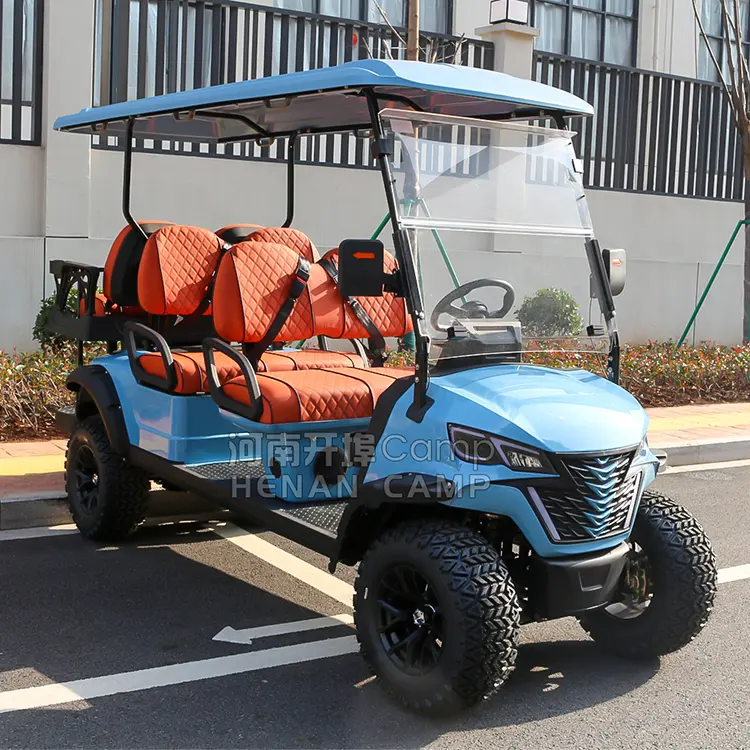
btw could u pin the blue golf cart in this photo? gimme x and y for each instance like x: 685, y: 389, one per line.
x: 489, y: 483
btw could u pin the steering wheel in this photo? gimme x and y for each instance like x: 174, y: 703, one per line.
x: 471, y: 310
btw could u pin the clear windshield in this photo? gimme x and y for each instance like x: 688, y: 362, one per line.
x: 498, y: 223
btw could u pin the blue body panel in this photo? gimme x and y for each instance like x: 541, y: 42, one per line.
x: 555, y: 410
x: 434, y: 87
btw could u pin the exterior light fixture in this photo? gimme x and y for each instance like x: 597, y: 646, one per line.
x: 509, y: 11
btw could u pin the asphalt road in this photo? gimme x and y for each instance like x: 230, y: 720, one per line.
x: 71, y: 611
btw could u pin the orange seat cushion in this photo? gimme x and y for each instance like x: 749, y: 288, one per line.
x: 317, y: 395
x: 307, y: 359
x: 191, y: 367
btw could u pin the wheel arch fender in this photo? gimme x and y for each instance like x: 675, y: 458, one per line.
x: 387, y: 501
x: 96, y: 394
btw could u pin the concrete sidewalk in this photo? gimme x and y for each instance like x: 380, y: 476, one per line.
x: 31, y: 474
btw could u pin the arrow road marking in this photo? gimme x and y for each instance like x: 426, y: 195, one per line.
x: 245, y: 637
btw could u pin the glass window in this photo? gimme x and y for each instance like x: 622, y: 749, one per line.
x: 713, y: 23
x: 7, y: 20
x: 591, y: 29
x: 435, y: 14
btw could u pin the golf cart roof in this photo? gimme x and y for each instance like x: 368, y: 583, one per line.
x: 326, y: 100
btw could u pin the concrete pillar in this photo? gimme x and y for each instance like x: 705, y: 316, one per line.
x: 514, y: 47
x: 68, y: 81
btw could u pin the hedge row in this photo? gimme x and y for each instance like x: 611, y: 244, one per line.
x: 657, y: 374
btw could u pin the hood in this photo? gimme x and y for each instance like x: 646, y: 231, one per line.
x: 558, y: 410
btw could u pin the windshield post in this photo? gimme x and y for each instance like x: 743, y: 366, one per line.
x: 404, y: 255
x: 127, y: 169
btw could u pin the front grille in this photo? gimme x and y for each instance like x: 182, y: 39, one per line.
x: 597, y: 504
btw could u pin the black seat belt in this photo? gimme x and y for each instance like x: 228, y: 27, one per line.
x: 302, y: 276
x: 377, y: 341
x: 199, y: 311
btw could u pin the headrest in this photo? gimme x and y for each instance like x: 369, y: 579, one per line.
x: 176, y: 270
x: 236, y: 233
x: 292, y: 238
x: 120, y: 284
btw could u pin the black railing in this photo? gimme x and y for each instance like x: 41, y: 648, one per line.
x: 151, y: 47
x: 21, y: 37
x: 651, y: 133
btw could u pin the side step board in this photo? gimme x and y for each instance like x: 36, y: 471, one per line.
x: 239, y: 485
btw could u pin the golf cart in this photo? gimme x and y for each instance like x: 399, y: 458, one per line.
x: 477, y: 489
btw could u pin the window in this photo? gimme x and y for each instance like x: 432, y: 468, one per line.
x: 713, y: 23
x: 592, y: 29
x: 436, y: 15
x: 9, y: 21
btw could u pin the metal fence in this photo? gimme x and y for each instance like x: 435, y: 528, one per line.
x: 151, y: 47
x: 651, y: 133
x: 21, y: 36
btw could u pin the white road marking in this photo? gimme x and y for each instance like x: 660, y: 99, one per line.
x: 173, y: 674
x: 245, y: 637
x: 737, y: 573
x: 706, y: 467
x: 37, y: 532
x: 324, y: 582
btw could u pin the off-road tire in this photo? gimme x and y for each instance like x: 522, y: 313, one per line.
x: 683, y: 570
x: 123, y: 492
x: 480, y: 614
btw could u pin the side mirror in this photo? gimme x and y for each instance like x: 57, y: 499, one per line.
x: 361, y: 271
x: 615, y: 262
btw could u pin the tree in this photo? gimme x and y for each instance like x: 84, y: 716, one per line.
x: 735, y: 82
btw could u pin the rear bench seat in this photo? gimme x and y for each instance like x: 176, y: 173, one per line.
x: 253, y: 283
x: 119, y: 283
x: 174, y: 279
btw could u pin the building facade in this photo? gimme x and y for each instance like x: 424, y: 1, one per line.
x: 661, y: 158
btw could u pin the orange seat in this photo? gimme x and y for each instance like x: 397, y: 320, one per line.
x: 191, y: 369
x: 317, y: 395
x: 235, y: 233
x: 252, y: 285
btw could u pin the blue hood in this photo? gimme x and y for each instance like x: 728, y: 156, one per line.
x: 560, y: 410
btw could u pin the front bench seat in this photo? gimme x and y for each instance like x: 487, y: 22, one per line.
x: 254, y: 282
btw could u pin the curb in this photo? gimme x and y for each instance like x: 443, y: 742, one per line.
x: 706, y: 452
x: 51, y: 509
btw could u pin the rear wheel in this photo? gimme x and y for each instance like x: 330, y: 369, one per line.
x: 108, y: 497
x: 437, y: 616
x: 667, y: 589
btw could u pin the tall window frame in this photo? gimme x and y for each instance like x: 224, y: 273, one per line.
x: 438, y: 18
x: 607, y: 14
x: 713, y: 23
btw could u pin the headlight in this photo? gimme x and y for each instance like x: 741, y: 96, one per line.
x: 485, y: 449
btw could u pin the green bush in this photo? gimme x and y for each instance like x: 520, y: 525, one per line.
x: 550, y: 313
x: 51, y: 342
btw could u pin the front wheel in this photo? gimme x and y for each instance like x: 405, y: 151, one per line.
x: 437, y: 616
x: 668, y: 586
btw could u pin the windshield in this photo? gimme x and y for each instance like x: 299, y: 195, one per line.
x: 498, y: 223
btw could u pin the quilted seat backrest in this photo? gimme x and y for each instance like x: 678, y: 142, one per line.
x: 255, y: 279
x: 389, y: 313
x: 120, y: 282
x: 236, y: 233
x: 292, y: 238
x: 177, y: 269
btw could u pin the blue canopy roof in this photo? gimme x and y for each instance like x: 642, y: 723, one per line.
x: 316, y: 100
